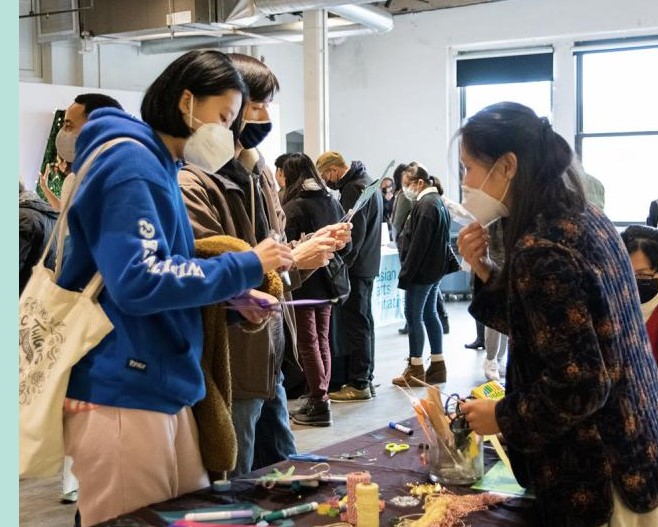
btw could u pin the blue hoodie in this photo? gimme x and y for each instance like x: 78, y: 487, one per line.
x: 128, y: 220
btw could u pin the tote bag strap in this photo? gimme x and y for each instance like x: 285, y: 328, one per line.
x: 61, y: 225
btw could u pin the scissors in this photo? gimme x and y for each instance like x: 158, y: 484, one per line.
x: 394, y: 448
x: 458, y: 423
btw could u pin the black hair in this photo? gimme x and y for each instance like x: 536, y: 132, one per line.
x: 204, y: 72
x: 297, y: 168
x: 642, y: 238
x: 262, y: 83
x: 416, y: 172
x: 94, y: 101
x: 397, y: 175
x: 279, y: 161
x: 547, y: 181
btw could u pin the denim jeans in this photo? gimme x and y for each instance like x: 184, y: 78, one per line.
x: 263, y: 431
x: 419, y: 309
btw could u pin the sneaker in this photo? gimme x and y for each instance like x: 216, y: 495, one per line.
x: 475, y: 345
x: 491, y: 370
x: 301, y: 409
x: 436, y: 373
x: 373, y: 391
x: 445, y: 324
x: 404, y: 330
x: 412, y: 370
x: 350, y: 394
x: 317, y: 414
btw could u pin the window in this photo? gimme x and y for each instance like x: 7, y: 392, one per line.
x: 525, y: 78
x: 617, y: 126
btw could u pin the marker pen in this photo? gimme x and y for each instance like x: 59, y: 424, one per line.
x: 219, y: 515
x: 401, y: 428
x: 285, y: 513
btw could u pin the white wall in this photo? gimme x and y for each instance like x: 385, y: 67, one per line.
x: 393, y: 96
x: 37, y: 105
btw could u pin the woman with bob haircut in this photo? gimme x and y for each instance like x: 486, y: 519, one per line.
x: 128, y: 423
x: 580, y: 412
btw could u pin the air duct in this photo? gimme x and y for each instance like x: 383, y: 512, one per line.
x: 249, y: 9
x: 376, y: 20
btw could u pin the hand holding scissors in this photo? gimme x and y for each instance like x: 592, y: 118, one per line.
x: 394, y: 448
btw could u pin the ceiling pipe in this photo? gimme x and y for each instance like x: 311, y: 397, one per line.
x: 377, y: 20
x: 356, y: 20
x: 248, y: 9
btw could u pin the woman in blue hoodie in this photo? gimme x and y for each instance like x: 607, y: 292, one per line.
x: 128, y: 424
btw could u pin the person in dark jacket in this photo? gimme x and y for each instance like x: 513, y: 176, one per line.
x: 309, y: 206
x: 580, y: 411
x: 423, y: 247
x: 36, y: 220
x: 354, y: 317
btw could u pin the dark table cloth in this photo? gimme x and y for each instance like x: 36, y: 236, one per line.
x: 391, y: 474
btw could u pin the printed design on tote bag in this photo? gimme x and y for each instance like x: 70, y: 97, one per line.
x: 37, y: 332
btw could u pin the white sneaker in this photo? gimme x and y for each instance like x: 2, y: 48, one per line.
x: 502, y: 366
x: 491, y: 370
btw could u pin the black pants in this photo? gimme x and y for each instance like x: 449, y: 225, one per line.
x: 353, y: 352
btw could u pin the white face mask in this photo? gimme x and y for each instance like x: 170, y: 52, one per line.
x: 210, y: 146
x: 411, y: 195
x: 65, y: 144
x: 485, y: 208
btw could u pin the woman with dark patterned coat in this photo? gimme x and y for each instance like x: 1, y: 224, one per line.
x: 580, y: 413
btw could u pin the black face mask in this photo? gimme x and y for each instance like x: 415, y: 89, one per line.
x: 253, y: 133
x: 332, y: 184
x: 648, y: 288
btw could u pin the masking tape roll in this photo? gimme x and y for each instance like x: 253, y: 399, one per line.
x: 367, y: 504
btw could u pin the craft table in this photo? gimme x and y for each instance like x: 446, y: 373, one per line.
x: 391, y: 474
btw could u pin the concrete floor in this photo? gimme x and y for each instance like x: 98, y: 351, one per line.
x: 39, y: 500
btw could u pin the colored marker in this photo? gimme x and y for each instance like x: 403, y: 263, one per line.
x: 286, y: 513
x: 401, y: 428
x: 219, y: 515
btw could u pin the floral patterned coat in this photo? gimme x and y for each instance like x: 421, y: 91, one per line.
x: 580, y: 413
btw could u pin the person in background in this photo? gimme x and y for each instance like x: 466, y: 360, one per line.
x: 642, y: 245
x: 495, y: 343
x: 278, y: 175
x: 356, y: 353
x: 594, y: 190
x: 399, y: 215
x: 580, y: 411
x: 387, y: 187
x: 127, y: 415
x: 401, y: 204
x: 652, y: 218
x: 75, y: 116
x: 423, y: 254
x: 61, y: 169
x: 309, y: 205
x: 478, y: 343
x: 36, y: 220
